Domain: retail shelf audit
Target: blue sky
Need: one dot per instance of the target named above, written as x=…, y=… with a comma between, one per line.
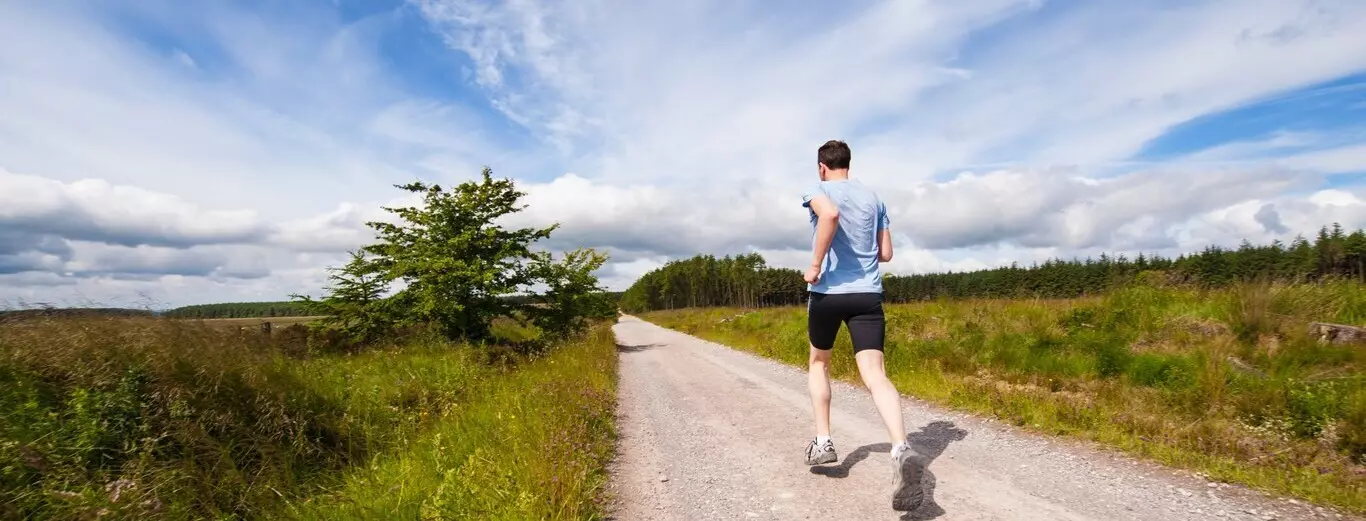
x=1334, y=110
x=156, y=152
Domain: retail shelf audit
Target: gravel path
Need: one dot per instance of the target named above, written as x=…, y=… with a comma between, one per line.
x=713, y=433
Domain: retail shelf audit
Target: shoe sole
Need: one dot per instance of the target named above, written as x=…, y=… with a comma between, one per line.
x=910, y=492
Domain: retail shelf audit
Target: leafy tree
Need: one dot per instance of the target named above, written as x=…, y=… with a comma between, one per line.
x=454, y=260
x=573, y=298
x=355, y=305
x=459, y=269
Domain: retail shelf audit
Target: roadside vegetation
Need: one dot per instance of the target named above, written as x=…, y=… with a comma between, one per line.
x=422, y=392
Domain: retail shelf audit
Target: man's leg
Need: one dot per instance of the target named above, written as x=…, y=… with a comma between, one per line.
x=821, y=328
x=868, y=331
x=818, y=382
x=885, y=396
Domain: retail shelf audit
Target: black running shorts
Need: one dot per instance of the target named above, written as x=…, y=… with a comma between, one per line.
x=862, y=312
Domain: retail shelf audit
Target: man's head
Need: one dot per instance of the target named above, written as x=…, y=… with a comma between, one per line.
x=833, y=158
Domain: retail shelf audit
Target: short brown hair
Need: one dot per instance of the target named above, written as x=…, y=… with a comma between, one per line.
x=834, y=154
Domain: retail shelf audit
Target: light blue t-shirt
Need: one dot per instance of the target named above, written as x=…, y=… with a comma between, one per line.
x=851, y=264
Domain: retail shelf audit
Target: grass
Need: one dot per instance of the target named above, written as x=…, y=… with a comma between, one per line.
x=532, y=444
x=142, y=418
x=1226, y=383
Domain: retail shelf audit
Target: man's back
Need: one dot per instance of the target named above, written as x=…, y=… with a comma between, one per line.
x=852, y=263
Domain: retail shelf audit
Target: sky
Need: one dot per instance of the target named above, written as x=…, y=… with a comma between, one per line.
x=158, y=153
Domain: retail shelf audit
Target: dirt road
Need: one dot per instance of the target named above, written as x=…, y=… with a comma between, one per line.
x=713, y=433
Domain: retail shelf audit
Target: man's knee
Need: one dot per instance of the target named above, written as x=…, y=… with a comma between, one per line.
x=819, y=356
x=870, y=363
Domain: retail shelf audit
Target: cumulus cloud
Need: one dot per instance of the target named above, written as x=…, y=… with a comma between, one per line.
x=1270, y=219
x=236, y=154
x=1037, y=208
x=95, y=210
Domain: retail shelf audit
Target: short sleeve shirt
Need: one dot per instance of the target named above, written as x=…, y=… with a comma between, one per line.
x=851, y=264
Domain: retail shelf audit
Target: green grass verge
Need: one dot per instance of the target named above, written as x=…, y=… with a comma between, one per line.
x=1225, y=383
x=117, y=418
x=531, y=444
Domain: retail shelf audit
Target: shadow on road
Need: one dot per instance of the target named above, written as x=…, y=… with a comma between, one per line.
x=623, y=348
x=930, y=441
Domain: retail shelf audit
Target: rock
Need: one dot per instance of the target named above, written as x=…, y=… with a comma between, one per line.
x=1337, y=333
x=1244, y=367
x=663, y=478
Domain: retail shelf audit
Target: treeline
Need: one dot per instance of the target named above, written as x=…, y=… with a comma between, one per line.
x=239, y=310
x=746, y=281
x=706, y=280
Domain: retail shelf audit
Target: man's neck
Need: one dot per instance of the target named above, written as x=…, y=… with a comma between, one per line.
x=837, y=175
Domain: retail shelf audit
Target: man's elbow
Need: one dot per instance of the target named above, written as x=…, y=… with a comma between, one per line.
x=831, y=216
x=884, y=256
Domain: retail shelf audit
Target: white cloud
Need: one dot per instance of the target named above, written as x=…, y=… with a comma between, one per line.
x=246, y=151
x=95, y=210
x=1341, y=159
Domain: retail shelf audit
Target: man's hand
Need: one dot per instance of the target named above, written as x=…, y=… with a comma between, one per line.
x=813, y=274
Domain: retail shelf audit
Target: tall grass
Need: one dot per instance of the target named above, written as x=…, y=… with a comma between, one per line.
x=531, y=444
x=139, y=418
x=1224, y=382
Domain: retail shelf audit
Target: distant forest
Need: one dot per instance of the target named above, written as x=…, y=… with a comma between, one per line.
x=239, y=310
x=746, y=281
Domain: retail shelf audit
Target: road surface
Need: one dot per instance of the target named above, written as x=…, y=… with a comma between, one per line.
x=712, y=433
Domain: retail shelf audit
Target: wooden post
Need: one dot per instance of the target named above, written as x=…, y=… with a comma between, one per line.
x=265, y=328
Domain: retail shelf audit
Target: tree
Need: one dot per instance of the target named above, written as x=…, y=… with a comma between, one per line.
x=455, y=262
x=355, y=304
x=459, y=269
x=573, y=297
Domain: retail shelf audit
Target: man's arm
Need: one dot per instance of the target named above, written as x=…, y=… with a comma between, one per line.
x=884, y=233
x=827, y=220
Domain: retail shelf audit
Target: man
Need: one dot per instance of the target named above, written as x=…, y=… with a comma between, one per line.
x=852, y=237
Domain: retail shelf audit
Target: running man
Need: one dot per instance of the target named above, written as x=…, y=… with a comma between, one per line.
x=852, y=237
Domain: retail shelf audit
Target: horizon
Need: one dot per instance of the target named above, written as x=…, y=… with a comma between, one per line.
x=230, y=154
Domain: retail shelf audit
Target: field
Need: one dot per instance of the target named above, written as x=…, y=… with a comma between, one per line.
x=144, y=418
x=1223, y=382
